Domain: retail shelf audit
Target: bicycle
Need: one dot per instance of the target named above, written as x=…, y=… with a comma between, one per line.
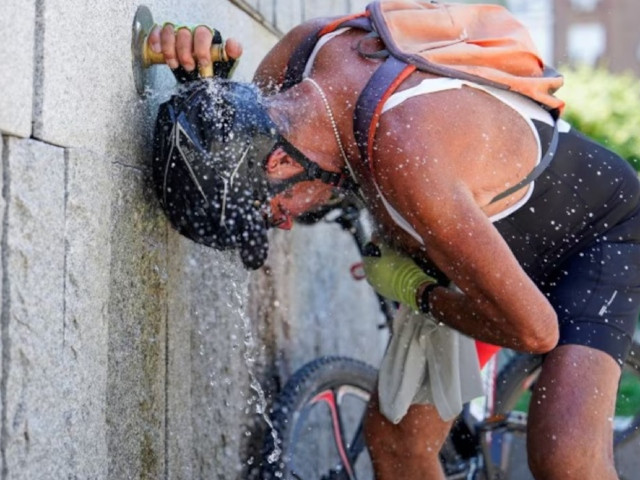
x=318, y=415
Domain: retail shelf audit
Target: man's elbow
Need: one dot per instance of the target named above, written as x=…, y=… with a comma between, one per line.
x=542, y=334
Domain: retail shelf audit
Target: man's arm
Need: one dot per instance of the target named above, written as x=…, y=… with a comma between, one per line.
x=270, y=73
x=422, y=173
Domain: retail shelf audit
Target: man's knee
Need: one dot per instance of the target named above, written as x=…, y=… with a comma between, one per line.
x=548, y=457
x=387, y=439
x=570, y=432
x=564, y=456
x=419, y=434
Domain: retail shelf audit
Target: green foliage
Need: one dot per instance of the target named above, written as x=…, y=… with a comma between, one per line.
x=628, y=402
x=606, y=107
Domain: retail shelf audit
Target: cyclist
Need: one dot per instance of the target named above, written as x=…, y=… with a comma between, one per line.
x=549, y=267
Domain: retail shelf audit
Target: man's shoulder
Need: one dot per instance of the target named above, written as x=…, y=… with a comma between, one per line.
x=459, y=134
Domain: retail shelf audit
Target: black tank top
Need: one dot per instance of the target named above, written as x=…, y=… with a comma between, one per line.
x=586, y=192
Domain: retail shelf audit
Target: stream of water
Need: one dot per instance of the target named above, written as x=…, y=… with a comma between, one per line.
x=249, y=359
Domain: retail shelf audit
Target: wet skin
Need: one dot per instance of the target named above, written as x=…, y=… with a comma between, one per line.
x=442, y=182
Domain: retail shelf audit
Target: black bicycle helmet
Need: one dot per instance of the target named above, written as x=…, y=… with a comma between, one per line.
x=210, y=145
x=210, y=141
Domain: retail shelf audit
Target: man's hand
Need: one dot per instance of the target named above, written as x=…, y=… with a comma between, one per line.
x=394, y=275
x=184, y=49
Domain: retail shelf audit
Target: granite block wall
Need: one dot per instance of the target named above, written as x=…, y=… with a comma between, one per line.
x=126, y=350
x=17, y=38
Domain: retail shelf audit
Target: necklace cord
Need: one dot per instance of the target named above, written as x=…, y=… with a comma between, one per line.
x=334, y=124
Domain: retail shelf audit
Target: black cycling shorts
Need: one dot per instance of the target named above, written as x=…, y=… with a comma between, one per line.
x=596, y=295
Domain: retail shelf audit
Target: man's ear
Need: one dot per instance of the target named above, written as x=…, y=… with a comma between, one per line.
x=281, y=166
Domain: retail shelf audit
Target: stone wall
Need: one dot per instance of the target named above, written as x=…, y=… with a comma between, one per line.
x=127, y=351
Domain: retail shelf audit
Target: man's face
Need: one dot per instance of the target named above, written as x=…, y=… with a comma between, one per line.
x=300, y=198
x=297, y=199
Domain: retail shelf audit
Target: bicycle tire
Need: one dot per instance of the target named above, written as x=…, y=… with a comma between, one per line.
x=520, y=373
x=325, y=375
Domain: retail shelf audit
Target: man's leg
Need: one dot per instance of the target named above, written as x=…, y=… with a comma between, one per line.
x=408, y=450
x=570, y=428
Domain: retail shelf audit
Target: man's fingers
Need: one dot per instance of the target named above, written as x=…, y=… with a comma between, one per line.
x=154, y=39
x=202, y=38
x=168, y=39
x=184, y=49
x=233, y=48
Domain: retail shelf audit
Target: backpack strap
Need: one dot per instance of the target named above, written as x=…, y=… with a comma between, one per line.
x=537, y=170
x=382, y=84
x=302, y=53
x=384, y=81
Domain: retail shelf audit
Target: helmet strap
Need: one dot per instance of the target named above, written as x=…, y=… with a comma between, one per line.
x=312, y=171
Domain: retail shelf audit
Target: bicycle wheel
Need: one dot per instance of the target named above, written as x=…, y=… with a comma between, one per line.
x=515, y=385
x=317, y=423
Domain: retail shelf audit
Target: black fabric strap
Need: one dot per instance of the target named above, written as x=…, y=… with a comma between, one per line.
x=423, y=301
x=363, y=23
x=294, y=75
x=371, y=96
x=300, y=56
x=538, y=169
x=312, y=171
x=369, y=99
x=298, y=60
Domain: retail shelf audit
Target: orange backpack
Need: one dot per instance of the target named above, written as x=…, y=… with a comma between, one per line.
x=483, y=41
x=483, y=44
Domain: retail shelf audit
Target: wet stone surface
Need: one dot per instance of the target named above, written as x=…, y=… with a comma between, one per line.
x=17, y=56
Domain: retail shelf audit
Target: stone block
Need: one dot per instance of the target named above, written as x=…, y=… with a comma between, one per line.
x=214, y=365
x=289, y=14
x=326, y=8
x=87, y=289
x=267, y=9
x=225, y=383
x=179, y=440
x=87, y=98
x=359, y=5
x=136, y=366
x=36, y=410
x=323, y=299
x=2, y=218
x=17, y=33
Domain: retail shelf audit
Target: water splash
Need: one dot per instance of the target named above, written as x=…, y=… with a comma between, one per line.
x=250, y=348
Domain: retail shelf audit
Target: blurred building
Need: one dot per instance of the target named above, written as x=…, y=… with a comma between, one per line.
x=565, y=31
x=537, y=16
x=596, y=32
